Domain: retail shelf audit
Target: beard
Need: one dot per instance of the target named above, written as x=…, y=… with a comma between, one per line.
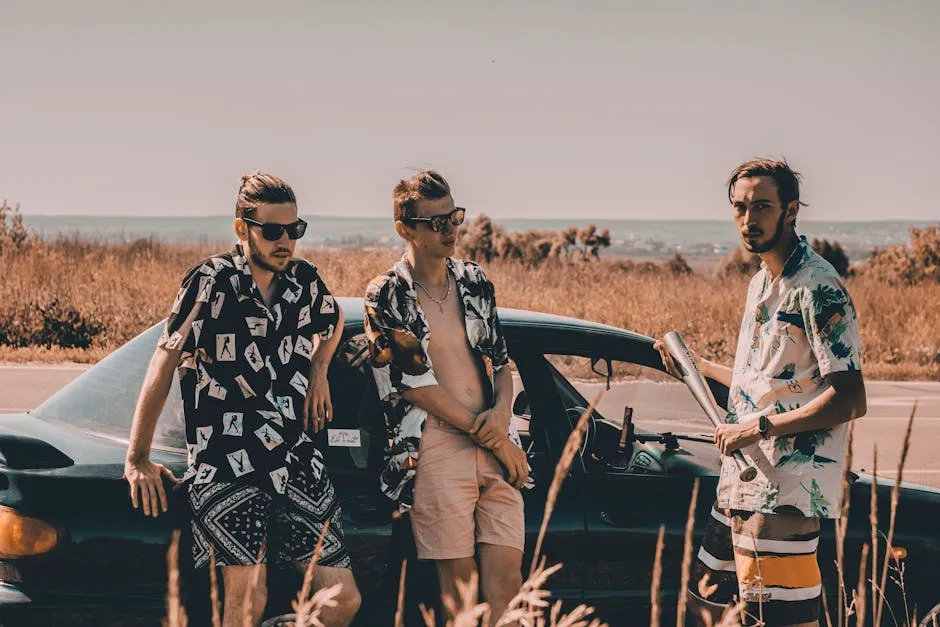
x=763, y=247
x=271, y=264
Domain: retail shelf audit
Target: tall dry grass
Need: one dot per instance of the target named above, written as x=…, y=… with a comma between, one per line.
x=124, y=288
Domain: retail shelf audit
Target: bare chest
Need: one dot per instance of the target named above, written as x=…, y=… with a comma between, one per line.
x=445, y=322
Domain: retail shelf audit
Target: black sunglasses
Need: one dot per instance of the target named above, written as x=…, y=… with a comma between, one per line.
x=272, y=231
x=437, y=223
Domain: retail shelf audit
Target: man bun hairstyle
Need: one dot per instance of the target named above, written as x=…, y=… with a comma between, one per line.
x=259, y=188
x=425, y=185
x=786, y=178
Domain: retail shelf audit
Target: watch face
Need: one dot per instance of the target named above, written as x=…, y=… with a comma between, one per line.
x=762, y=426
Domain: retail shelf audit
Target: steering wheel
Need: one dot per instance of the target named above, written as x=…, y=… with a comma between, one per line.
x=574, y=414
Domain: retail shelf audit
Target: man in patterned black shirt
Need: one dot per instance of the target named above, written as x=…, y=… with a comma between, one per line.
x=251, y=333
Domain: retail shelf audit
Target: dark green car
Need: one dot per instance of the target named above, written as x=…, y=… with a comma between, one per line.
x=72, y=545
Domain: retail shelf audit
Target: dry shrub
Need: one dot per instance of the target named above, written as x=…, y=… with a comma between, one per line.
x=115, y=290
x=916, y=264
x=14, y=236
x=833, y=253
x=49, y=324
x=483, y=240
x=676, y=266
x=738, y=262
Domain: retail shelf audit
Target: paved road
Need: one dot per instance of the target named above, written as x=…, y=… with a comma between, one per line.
x=657, y=406
x=669, y=406
x=25, y=387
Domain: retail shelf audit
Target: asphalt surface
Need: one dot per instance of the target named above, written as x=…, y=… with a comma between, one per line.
x=670, y=407
x=657, y=407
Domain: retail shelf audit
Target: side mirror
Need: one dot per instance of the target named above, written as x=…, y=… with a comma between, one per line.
x=601, y=366
x=520, y=406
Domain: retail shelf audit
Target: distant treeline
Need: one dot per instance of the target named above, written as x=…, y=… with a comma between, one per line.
x=485, y=241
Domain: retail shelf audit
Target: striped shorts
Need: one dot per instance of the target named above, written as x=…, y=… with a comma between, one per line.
x=766, y=560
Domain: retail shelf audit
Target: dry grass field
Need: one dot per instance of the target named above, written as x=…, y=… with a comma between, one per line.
x=75, y=300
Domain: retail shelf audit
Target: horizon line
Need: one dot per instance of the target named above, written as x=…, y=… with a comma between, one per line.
x=540, y=219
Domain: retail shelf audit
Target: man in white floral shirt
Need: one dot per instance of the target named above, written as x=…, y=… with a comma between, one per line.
x=795, y=385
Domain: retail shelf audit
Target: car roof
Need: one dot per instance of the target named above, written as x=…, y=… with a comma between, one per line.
x=548, y=332
x=353, y=310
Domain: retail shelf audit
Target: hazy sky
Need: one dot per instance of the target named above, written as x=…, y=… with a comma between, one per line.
x=530, y=108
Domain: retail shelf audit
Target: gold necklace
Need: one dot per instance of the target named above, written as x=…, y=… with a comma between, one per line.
x=439, y=303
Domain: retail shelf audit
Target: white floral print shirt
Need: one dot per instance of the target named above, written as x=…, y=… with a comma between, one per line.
x=797, y=328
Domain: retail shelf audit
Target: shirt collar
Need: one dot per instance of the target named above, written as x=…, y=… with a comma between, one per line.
x=241, y=262
x=403, y=269
x=795, y=261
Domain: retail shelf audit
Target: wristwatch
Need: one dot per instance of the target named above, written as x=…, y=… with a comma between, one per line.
x=764, y=425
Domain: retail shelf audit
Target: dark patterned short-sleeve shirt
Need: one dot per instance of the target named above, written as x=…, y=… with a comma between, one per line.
x=244, y=369
x=398, y=335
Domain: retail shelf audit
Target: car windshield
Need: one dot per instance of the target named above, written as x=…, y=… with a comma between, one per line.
x=103, y=398
x=658, y=401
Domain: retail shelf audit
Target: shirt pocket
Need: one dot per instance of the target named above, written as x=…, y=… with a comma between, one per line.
x=781, y=346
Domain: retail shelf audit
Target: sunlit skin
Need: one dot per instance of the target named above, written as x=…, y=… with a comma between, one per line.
x=765, y=226
x=430, y=249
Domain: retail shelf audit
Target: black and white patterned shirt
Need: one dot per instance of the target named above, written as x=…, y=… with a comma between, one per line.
x=244, y=369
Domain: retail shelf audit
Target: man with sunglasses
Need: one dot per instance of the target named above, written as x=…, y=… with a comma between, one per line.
x=440, y=363
x=251, y=333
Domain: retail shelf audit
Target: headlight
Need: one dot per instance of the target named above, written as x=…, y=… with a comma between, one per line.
x=21, y=536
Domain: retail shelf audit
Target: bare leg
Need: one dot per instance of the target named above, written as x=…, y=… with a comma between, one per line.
x=348, y=601
x=449, y=572
x=246, y=592
x=500, y=577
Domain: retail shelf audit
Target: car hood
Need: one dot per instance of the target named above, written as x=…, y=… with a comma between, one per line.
x=917, y=490
x=30, y=443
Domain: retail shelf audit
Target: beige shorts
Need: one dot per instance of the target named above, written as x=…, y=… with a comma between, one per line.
x=461, y=497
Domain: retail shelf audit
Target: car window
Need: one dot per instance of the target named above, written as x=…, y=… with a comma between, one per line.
x=355, y=438
x=103, y=398
x=521, y=412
